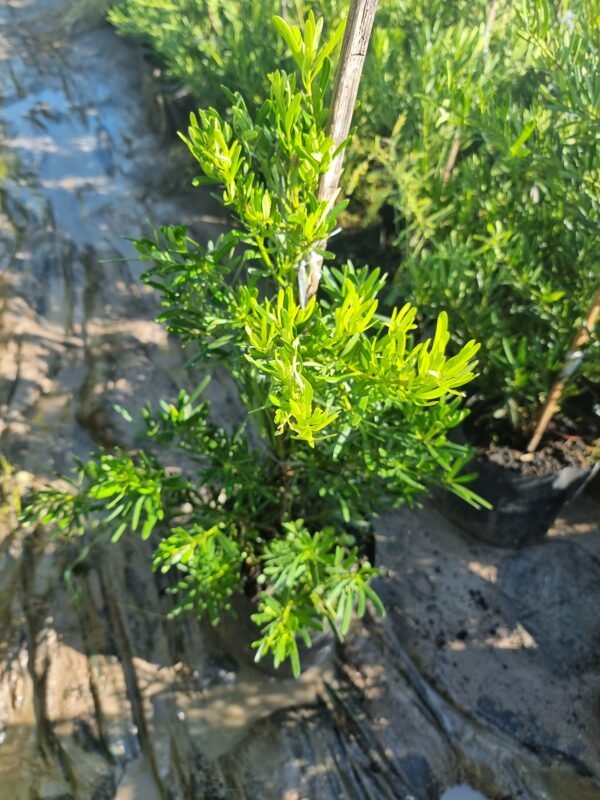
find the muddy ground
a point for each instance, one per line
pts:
(486, 669)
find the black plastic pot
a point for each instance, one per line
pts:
(524, 507)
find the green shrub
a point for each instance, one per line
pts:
(345, 412)
(508, 241)
(205, 44)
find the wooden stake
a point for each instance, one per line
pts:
(354, 50)
(571, 363)
(450, 163)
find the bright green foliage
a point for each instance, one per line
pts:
(509, 245)
(207, 43)
(210, 561)
(347, 413)
(125, 489)
(314, 576)
(380, 369)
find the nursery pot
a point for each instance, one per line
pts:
(524, 506)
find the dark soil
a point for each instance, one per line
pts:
(554, 456)
(572, 438)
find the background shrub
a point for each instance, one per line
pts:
(508, 240)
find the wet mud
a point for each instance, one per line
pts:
(479, 674)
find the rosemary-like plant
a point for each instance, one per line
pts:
(346, 413)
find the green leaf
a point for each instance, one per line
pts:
(292, 37)
(119, 532)
(516, 148)
(137, 509)
(148, 526)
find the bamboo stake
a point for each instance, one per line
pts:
(489, 24)
(450, 163)
(354, 50)
(571, 363)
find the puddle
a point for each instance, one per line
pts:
(462, 792)
(138, 783)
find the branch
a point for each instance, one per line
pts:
(571, 364)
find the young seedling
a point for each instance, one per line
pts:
(346, 412)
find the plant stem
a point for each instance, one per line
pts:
(354, 50)
(571, 363)
(448, 169)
